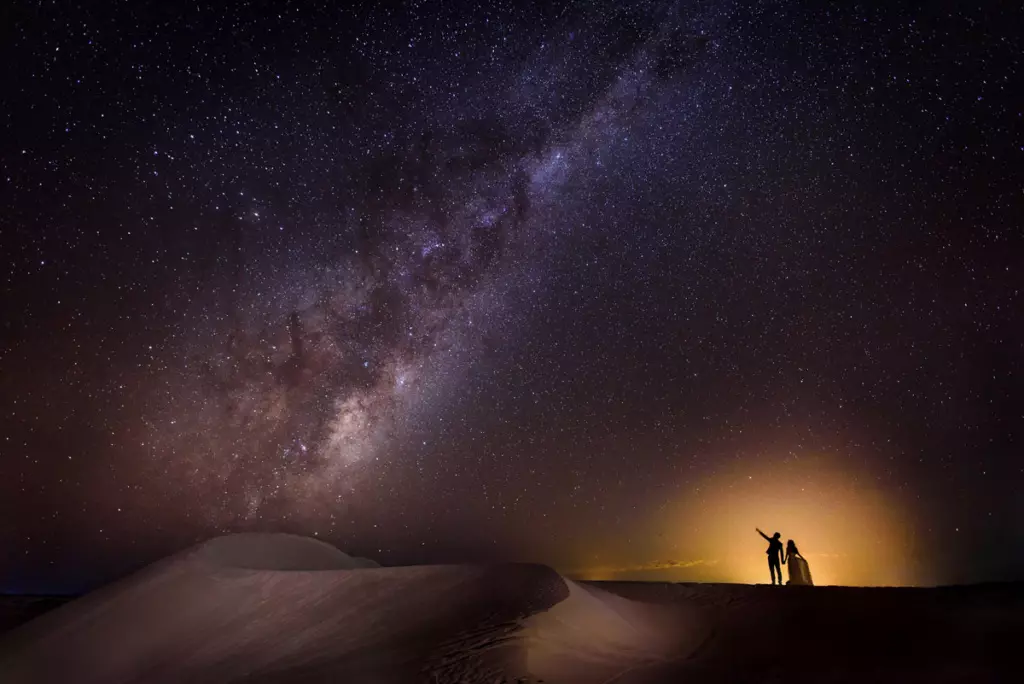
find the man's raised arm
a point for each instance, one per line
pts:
(767, 538)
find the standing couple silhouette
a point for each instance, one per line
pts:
(799, 571)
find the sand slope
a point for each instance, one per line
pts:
(797, 635)
(278, 608)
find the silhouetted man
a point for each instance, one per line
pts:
(774, 553)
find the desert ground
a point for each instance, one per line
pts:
(279, 608)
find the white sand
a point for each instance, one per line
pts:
(277, 552)
(274, 608)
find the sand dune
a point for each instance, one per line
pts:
(800, 635)
(276, 552)
(278, 608)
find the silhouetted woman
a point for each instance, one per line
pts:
(799, 571)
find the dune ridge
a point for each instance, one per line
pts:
(278, 552)
(277, 608)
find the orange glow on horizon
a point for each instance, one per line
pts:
(849, 529)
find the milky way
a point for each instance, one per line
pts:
(310, 375)
(448, 281)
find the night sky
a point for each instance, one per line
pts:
(594, 284)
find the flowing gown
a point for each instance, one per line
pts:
(799, 571)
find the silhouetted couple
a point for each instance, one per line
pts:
(799, 571)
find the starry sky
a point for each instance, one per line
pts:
(603, 285)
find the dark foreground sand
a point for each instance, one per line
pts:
(274, 608)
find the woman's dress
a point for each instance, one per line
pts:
(799, 571)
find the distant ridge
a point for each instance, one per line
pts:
(275, 551)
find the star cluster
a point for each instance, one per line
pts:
(444, 281)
